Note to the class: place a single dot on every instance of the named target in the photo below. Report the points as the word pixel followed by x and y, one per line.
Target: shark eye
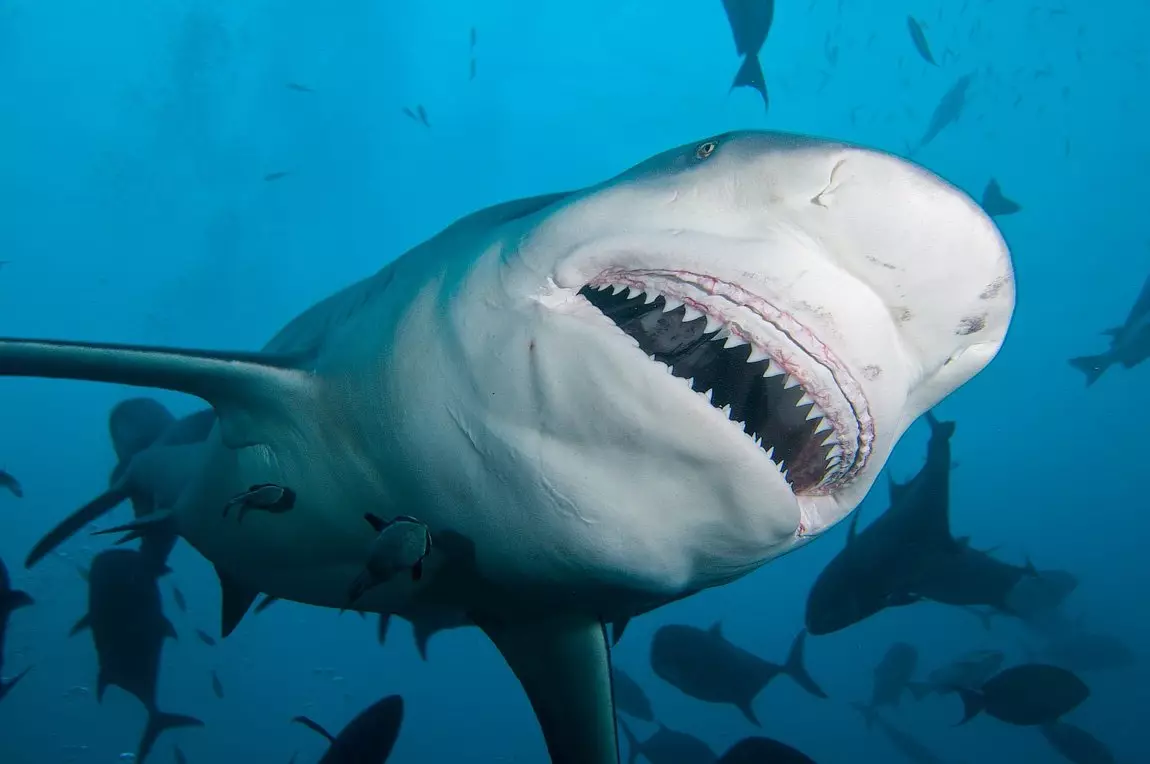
pixel 705 149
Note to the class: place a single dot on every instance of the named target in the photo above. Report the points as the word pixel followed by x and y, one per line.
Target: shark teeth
pixel 753 390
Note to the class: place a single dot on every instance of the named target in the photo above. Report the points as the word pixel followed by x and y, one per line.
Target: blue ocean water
pixel 161 182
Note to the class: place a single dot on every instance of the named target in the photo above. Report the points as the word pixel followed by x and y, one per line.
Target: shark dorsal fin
pixel 235 601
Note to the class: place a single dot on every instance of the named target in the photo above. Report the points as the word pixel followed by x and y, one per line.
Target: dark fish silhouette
pixel 1129 343
pixel 763 750
pixel 277 175
pixel 206 638
pixel 949 109
pixel 1075 744
pixel 11 600
pixel 704 665
pixel 368 738
pixel 129 629
pixel 1026 695
pixel 178 597
pixel 882 565
pixel 7 480
pixel 918 37
pixel 667 746
pixel 995 203
pixel 217 686
pixel 892 675
pixel 629 696
pixel 750 22
pixel 298 87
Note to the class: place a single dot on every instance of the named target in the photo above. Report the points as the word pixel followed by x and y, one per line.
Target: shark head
pixel 717 350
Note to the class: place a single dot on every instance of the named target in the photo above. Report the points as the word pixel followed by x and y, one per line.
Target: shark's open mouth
pixel 755 364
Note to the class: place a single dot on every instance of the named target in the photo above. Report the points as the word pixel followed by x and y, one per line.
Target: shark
pixel 598 401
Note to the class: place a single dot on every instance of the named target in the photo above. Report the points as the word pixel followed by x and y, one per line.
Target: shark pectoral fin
pixel 162 521
pixel 235 599
pixel 245 389
pixel 564 665
pixel 73 523
pixel 83 623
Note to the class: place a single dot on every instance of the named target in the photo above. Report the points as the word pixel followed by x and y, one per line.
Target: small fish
pixel 474 38
pixel 266 496
pixel 178 596
pixel 411 113
pixel 422 115
pixel 12 484
pixel 918 37
pixel 277 175
pixel 217 686
pixel 995 203
pixel 400 546
pixel 1026 695
pixel 299 88
pixel 206 638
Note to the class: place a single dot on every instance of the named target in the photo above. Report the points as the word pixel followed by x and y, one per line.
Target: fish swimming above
pixel 996 203
pixel 950 108
pixel 509 379
pixel 750 22
pixel 1129 343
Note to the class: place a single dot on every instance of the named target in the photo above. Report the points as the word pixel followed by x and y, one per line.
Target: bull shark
pixel 614 397
pixel 1129 343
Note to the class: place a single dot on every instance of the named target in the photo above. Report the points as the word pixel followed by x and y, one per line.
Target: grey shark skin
pixel 368 738
pixel 128 627
pixel 11 600
pixel 1129 343
pixel 474 383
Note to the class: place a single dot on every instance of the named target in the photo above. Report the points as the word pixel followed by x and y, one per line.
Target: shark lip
pixel 759 366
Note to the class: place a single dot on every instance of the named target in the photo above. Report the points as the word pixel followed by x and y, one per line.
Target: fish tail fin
pixel 14 600
pixel 919 690
pixel 972 703
pixel 6 687
pixel 1093 366
pixel 634 748
pixel 939 427
pixel 158 722
pixel 869 715
pixel 254 394
pixel 796 669
pixel 750 75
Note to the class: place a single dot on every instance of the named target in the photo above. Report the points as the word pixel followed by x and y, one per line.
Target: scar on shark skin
pixel 830 187
pixel 970 325
pixel 266 496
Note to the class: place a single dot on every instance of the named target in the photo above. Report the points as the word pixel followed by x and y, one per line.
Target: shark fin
pixel 564 665
pixel 314 727
pixel 158 721
pixel 6 687
pixel 164 520
pixel 245 389
pixel 421 632
pixel 83 623
pixel 73 523
pixel 617 629
pixel 381 631
pixel 235 601
pixel 14 599
pixel 1092 366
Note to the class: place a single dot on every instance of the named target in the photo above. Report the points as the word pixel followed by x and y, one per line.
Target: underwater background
pixel 196 172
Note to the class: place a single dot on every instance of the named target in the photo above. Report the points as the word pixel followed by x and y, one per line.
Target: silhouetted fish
pixel 630 698
pixel 763 750
pixel 129 629
pixel 667 746
pixel 7 480
pixel 11 600
pixel 949 109
pixel 995 203
pixel 750 22
pixel 217 686
pixel 206 638
pixel 1129 343
pixel 918 37
pixel 1076 744
pixel 1026 695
